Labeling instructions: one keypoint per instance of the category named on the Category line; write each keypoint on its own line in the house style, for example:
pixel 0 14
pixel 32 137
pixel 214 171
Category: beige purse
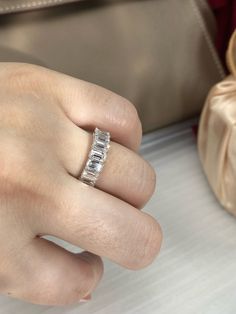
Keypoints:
pixel 217 136
pixel 158 54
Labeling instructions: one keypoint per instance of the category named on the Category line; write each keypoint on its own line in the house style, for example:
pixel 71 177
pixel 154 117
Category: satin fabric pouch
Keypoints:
pixel 217 135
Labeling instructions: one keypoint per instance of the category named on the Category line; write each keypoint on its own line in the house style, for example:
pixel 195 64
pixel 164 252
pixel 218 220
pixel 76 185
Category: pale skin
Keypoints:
pixel 46 124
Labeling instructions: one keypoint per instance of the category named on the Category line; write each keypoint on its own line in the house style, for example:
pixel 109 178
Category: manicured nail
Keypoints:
pixel 85 299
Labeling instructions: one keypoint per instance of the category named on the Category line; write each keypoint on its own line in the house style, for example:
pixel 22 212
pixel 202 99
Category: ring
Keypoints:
pixel 96 158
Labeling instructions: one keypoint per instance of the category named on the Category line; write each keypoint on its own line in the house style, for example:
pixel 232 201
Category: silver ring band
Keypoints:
pixel 96 158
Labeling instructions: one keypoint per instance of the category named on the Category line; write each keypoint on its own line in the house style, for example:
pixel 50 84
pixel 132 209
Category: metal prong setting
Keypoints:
pixel 97 157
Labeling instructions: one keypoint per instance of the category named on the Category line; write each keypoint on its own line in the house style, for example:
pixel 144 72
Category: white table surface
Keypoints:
pixel 195 271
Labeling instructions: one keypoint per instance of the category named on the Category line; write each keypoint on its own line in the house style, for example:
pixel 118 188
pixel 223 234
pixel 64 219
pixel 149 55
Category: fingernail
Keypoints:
pixel 86 299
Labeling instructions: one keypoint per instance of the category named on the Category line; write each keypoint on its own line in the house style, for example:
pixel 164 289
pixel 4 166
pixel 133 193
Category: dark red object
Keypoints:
pixel 195 130
pixel 225 13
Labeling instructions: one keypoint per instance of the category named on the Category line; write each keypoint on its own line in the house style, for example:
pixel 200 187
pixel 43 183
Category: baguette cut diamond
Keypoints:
pixel 97 157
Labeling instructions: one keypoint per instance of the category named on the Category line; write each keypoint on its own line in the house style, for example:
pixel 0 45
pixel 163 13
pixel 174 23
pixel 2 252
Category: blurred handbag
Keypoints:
pixel 157 53
pixel 217 135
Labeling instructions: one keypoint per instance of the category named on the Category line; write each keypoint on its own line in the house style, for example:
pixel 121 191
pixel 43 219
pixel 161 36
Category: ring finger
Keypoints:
pixel 125 174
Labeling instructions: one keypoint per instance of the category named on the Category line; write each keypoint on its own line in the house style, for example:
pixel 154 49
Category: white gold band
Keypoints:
pixel 97 157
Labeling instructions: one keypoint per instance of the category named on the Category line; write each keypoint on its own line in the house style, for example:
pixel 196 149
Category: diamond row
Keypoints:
pixel 97 157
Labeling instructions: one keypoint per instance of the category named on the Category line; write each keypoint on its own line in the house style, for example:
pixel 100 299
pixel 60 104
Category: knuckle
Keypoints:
pixel 52 291
pixel 129 118
pixel 19 177
pixel 14 159
pixel 54 296
pixel 146 183
pixel 13 177
pixel 8 163
pixel 152 241
pixel 24 77
pixel 123 114
pixel 6 271
pixel 16 116
pixel 149 245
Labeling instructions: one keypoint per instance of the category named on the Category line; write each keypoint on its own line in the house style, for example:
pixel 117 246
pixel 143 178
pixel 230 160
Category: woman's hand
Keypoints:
pixel 46 120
